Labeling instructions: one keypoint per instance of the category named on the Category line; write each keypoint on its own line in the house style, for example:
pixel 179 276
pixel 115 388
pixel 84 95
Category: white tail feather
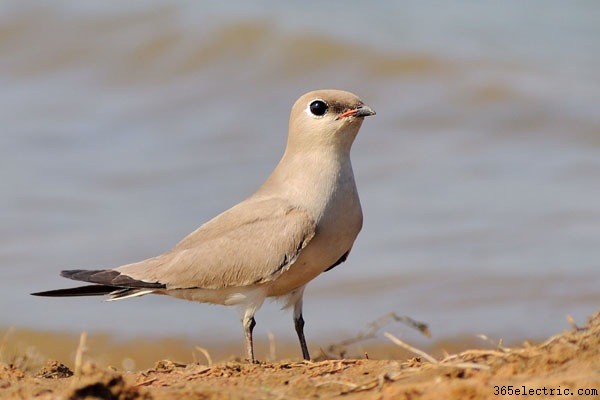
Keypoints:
pixel 135 293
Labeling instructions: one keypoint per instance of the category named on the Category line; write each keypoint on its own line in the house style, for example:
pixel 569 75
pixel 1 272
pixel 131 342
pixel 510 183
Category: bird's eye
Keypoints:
pixel 318 107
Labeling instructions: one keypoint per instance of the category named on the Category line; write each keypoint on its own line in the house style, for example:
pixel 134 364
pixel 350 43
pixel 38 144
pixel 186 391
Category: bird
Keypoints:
pixel 302 221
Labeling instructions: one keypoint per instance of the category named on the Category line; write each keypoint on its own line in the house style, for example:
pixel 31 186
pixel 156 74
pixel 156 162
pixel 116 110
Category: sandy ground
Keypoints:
pixel 565 364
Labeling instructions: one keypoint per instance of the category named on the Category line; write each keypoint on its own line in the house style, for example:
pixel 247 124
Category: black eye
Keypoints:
pixel 318 107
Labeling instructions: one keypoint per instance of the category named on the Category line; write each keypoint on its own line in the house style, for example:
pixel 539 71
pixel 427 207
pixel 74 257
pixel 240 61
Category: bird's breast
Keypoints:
pixel 338 223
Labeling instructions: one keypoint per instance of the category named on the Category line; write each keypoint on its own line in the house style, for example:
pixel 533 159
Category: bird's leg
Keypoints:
pixel 299 325
pixel 249 323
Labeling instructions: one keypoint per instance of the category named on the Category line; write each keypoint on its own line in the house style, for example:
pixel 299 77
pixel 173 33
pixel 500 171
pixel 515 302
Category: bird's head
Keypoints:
pixel 326 118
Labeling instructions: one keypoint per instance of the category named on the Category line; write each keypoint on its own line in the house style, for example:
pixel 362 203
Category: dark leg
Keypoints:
pixel 299 321
pixel 249 324
pixel 299 324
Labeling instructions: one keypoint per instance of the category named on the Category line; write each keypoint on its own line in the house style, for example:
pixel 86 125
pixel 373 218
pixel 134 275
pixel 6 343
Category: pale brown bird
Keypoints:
pixel 301 222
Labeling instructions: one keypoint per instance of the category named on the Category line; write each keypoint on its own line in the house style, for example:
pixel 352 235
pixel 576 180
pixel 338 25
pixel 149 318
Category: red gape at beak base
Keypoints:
pixel 348 113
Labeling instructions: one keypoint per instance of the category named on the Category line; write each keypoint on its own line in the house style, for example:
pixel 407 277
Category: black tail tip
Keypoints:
pixel 90 290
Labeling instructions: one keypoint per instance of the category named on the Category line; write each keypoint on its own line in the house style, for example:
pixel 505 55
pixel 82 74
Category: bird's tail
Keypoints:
pixel 114 292
pixel 90 290
pixel 107 282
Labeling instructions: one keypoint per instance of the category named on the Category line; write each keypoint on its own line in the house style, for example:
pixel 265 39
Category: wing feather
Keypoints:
pixel 253 242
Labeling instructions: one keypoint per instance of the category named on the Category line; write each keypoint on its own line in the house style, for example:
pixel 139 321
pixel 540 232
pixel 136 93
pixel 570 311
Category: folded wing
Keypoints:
pixel 253 242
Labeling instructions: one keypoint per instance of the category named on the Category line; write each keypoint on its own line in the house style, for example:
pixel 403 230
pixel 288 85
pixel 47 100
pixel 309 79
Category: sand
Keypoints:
pixel 565 364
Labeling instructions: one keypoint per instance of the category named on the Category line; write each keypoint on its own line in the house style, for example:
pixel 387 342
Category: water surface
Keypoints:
pixel 124 127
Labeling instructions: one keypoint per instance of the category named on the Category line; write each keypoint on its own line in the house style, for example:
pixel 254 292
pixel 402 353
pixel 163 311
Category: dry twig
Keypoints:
pixel 272 346
pixel 373 329
pixel 4 342
pixel 410 348
pixel 206 355
pixel 146 382
pixel 431 359
pixel 343 383
pixel 79 353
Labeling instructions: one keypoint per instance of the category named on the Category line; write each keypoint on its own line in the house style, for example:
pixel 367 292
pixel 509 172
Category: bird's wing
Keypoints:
pixel 342 259
pixel 253 242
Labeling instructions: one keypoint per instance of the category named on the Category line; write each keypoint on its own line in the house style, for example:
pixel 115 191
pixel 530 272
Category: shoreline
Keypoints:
pixel 568 361
pixel 33 348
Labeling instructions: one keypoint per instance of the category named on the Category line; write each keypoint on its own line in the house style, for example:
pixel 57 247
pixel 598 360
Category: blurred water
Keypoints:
pixel 125 126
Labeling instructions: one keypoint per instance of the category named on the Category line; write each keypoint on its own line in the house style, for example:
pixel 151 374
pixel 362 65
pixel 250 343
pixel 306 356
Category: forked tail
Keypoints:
pixel 106 282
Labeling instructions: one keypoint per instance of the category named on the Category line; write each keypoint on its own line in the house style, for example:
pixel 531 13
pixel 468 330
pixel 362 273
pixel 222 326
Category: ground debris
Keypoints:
pixel 166 366
pixel 110 386
pixel 570 360
pixel 340 349
pixel 10 372
pixel 54 370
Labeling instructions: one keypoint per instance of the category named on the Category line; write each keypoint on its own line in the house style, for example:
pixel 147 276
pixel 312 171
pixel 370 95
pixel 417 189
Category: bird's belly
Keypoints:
pixel 228 296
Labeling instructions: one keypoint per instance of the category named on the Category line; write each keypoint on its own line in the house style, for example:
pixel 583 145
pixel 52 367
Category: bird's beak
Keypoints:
pixel 360 111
